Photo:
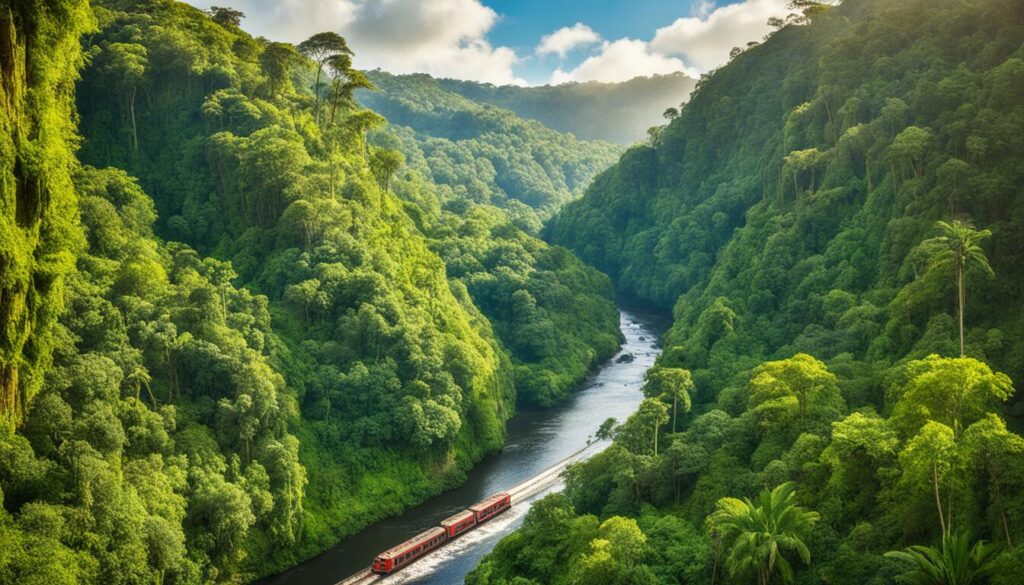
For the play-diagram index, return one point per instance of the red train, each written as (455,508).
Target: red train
(398,557)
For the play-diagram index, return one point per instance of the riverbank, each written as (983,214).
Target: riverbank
(537,439)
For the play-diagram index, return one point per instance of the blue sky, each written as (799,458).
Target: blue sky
(522,41)
(524,22)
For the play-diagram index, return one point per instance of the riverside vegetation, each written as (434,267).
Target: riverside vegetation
(835,221)
(233,329)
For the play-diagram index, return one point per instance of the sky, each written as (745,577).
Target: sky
(523,42)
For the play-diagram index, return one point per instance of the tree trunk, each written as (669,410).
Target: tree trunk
(960,301)
(316,93)
(674,400)
(152,398)
(655,439)
(867,171)
(938,498)
(1002,513)
(131,112)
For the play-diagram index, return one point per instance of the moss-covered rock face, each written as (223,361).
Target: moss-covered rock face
(39,63)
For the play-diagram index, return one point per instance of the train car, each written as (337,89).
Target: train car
(491,507)
(458,523)
(397,557)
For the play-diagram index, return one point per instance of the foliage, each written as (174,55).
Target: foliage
(485,154)
(957,562)
(788,216)
(260,348)
(760,534)
(37,203)
(802,196)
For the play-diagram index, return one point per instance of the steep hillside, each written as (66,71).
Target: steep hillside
(821,217)
(614,112)
(555,315)
(797,193)
(399,382)
(37,206)
(485,154)
(257,350)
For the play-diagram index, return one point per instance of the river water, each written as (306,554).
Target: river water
(537,439)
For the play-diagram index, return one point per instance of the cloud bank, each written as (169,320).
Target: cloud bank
(446,38)
(693,44)
(704,41)
(620,60)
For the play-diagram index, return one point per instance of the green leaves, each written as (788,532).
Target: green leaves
(759,533)
(959,561)
(956,392)
(798,393)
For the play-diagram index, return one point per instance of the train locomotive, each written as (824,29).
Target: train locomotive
(450,528)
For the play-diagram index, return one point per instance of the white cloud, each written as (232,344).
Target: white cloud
(566,39)
(704,40)
(620,60)
(288,20)
(446,38)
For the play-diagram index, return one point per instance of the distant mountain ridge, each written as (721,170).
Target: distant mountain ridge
(614,112)
(484,153)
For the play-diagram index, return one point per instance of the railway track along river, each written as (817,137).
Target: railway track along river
(520,493)
(541,443)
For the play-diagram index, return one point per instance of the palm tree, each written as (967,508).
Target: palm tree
(138,378)
(960,244)
(956,563)
(759,533)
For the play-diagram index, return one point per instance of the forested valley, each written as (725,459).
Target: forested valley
(254,299)
(834,220)
(235,324)
(619,113)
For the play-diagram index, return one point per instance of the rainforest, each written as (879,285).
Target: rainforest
(273,274)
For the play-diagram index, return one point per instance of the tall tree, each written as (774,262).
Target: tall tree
(321,47)
(670,384)
(759,533)
(127,63)
(345,81)
(384,162)
(277,60)
(959,244)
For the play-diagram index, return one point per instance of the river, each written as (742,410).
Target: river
(537,439)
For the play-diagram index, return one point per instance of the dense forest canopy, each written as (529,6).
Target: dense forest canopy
(237,330)
(616,112)
(242,314)
(835,220)
(484,153)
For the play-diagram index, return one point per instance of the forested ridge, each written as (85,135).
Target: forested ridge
(592,110)
(835,220)
(233,330)
(484,153)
